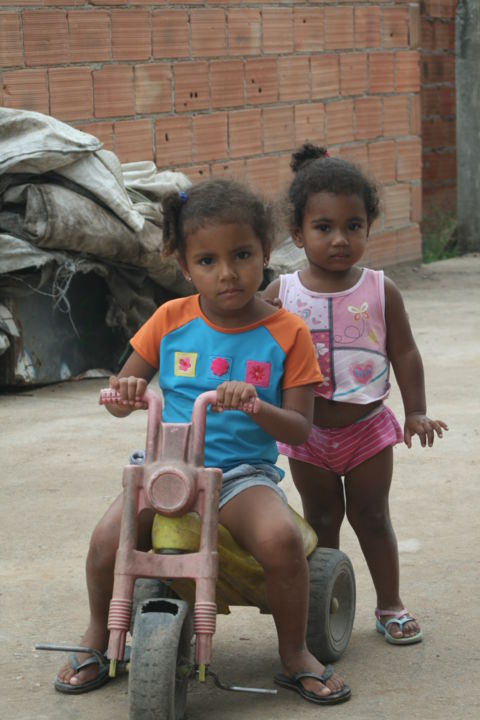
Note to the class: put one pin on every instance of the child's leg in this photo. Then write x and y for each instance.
(261, 522)
(99, 571)
(322, 500)
(366, 488)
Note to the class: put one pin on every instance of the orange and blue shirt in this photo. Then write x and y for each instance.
(193, 355)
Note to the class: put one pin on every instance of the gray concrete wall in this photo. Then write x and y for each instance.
(467, 42)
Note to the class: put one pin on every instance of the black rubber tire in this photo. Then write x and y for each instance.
(149, 589)
(332, 604)
(160, 661)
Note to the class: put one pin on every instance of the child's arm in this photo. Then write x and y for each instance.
(408, 368)
(271, 293)
(290, 423)
(131, 382)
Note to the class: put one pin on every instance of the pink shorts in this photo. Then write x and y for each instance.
(342, 449)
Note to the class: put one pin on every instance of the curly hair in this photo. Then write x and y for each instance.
(213, 202)
(315, 172)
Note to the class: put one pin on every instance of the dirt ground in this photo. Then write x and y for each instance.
(61, 457)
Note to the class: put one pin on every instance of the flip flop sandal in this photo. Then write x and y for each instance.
(292, 682)
(400, 617)
(102, 677)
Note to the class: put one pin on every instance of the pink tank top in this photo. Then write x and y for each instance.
(349, 335)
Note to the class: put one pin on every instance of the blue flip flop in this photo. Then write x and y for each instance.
(292, 682)
(102, 678)
(399, 617)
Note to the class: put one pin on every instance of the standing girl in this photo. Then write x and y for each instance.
(358, 326)
(262, 364)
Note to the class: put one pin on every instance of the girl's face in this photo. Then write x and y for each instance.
(334, 232)
(225, 263)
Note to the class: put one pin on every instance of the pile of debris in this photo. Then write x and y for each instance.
(81, 265)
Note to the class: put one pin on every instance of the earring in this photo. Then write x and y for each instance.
(188, 278)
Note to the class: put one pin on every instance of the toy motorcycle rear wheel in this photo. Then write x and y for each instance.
(161, 660)
(332, 603)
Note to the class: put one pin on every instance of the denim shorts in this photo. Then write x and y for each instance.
(237, 479)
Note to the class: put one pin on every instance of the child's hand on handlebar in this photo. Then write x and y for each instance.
(234, 395)
(130, 391)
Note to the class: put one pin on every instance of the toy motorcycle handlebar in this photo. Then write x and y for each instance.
(153, 403)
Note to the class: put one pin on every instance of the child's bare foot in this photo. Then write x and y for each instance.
(398, 626)
(297, 675)
(71, 676)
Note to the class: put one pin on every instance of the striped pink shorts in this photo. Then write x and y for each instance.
(342, 449)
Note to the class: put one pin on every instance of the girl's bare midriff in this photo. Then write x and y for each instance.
(330, 413)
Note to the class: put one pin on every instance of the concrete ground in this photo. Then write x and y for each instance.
(61, 458)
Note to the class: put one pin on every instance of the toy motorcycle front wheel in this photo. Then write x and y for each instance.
(161, 660)
(332, 603)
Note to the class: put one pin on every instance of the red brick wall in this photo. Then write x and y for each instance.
(232, 87)
(438, 106)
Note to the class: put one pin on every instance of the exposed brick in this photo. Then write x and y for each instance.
(438, 133)
(407, 71)
(310, 123)
(102, 131)
(170, 34)
(89, 34)
(226, 83)
(234, 169)
(414, 26)
(416, 198)
(429, 100)
(408, 244)
(395, 27)
(285, 174)
(210, 137)
(338, 28)
(409, 159)
(133, 140)
(131, 37)
(71, 93)
(447, 165)
(437, 199)
(191, 86)
(245, 133)
(339, 122)
(353, 73)
(397, 205)
(277, 30)
(426, 34)
(208, 32)
(381, 72)
(261, 81)
(367, 27)
(438, 68)
(356, 154)
(10, 40)
(113, 91)
(278, 129)
(309, 29)
(429, 168)
(173, 137)
(153, 88)
(381, 161)
(293, 78)
(368, 118)
(197, 173)
(396, 115)
(415, 115)
(440, 8)
(443, 35)
(446, 101)
(325, 72)
(263, 175)
(380, 249)
(45, 37)
(26, 89)
(244, 31)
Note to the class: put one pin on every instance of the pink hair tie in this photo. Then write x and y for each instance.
(327, 154)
